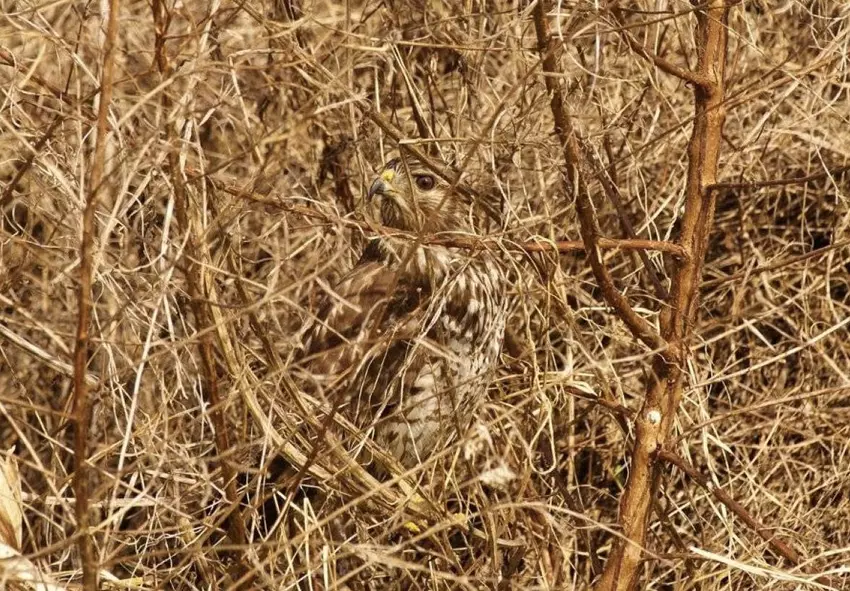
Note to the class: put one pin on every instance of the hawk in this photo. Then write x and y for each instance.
(410, 336)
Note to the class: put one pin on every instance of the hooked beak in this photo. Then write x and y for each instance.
(381, 186)
(378, 187)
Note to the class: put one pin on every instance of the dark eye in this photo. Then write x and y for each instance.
(425, 182)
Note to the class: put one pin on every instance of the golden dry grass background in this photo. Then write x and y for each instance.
(266, 106)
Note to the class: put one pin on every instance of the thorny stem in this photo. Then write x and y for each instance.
(82, 404)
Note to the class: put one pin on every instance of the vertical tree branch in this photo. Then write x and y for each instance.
(82, 407)
(654, 422)
(197, 294)
(656, 418)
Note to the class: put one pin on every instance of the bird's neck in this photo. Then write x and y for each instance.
(424, 263)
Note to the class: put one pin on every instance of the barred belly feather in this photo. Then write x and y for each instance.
(427, 335)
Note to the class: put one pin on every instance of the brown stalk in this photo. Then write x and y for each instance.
(577, 170)
(195, 282)
(655, 420)
(82, 407)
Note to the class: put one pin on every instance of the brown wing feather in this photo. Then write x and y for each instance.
(369, 314)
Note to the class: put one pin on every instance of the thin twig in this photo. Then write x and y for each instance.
(534, 245)
(739, 510)
(755, 185)
(82, 404)
(69, 99)
(24, 166)
(659, 62)
(195, 284)
(54, 363)
(613, 195)
(560, 246)
(786, 262)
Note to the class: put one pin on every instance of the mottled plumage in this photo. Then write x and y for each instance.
(410, 336)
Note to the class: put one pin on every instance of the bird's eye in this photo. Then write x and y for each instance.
(425, 182)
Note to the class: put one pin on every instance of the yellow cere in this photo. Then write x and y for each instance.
(388, 175)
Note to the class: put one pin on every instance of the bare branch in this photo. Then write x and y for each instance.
(755, 185)
(575, 168)
(658, 412)
(82, 404)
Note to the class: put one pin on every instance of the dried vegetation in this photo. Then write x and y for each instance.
(196, 204)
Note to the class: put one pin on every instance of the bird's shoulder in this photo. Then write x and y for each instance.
(374, 297)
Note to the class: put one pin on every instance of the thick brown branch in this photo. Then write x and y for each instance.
(575, 167)
(654, 422)
(82, 404)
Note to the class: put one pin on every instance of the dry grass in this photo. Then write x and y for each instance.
(240, 137)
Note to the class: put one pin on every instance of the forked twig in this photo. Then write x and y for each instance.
(655, 420)
(656, 417)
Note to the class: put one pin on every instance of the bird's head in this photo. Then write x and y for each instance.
(408, 196)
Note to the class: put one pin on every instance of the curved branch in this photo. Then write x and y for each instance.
(575, 166)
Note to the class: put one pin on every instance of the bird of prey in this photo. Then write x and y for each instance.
(410, 336)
